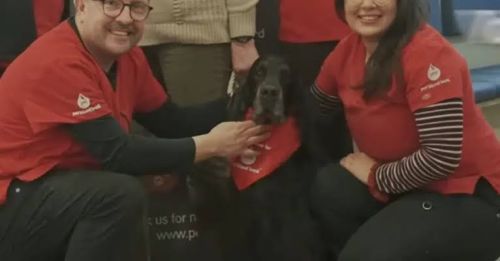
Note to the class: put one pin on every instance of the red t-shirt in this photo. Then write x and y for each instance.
(310, 21)
(385, 128)
(56, 82)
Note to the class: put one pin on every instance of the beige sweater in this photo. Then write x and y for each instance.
(199, 21)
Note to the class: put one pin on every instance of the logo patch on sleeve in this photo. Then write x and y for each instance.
(83, 102)
(433, 73)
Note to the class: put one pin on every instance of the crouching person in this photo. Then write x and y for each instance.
(425, 184)
(66, 155)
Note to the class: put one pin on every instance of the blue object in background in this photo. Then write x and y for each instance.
(476, 4)
(486, 83)
(435, 18)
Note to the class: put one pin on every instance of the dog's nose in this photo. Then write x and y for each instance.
(269, 91)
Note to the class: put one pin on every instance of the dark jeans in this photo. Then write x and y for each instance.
(73, 216)
(418, 226)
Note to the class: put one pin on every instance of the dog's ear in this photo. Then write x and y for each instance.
(243, 95)
(290, 87)
(237, 105)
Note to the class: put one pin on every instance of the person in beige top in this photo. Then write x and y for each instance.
(197, 43)
(193, 46)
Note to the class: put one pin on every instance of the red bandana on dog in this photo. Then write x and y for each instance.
(280, 146)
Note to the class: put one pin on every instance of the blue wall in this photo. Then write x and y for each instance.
(476, 4)
(435, 18)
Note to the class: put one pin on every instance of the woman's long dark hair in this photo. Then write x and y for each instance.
(385, 62)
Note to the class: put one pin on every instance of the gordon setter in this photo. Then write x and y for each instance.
(268, 218)
(275, 222)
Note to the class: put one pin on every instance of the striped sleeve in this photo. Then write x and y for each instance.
(440, 129)
(327, 103)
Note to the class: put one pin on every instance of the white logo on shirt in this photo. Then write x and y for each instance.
(83, 102)
(433, 73)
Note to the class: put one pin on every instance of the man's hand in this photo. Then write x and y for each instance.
(243, 56)
(359, 164)
(230, 139)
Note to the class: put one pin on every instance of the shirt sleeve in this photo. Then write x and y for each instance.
(65, 93)
(132, 154)
(325, 82)
(324, 89)
(150, 93)
(432, 75)
(440, 128)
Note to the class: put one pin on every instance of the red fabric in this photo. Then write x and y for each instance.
(284, 141)
(64, 86)
(385, 128)
(48, 14)
(310, 21)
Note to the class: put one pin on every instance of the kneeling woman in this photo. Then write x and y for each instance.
(425, 184)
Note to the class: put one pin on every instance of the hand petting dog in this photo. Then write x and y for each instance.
(230, 139)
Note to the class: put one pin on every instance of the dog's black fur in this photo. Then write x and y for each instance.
(274, 212)
(270, 220)
(267, 89)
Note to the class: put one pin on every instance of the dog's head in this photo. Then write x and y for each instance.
(266, 89)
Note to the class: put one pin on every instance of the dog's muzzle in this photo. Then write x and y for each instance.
(269, 105)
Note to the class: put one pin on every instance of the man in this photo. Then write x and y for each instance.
(66, 104)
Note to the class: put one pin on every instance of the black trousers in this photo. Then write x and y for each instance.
(418, 226)
(74, 216)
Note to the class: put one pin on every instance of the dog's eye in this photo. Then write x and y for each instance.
(260, 73)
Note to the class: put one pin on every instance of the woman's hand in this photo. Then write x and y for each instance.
(359, 164)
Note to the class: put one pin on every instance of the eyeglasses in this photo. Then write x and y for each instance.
(139, 11)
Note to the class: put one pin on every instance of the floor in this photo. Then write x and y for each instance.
(491, 111)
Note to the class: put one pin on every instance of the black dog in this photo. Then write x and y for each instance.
(275, 222)
(267, 89)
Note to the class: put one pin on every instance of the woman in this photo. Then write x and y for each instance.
(425, 183)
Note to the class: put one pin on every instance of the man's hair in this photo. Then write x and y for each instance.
(385, 62)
